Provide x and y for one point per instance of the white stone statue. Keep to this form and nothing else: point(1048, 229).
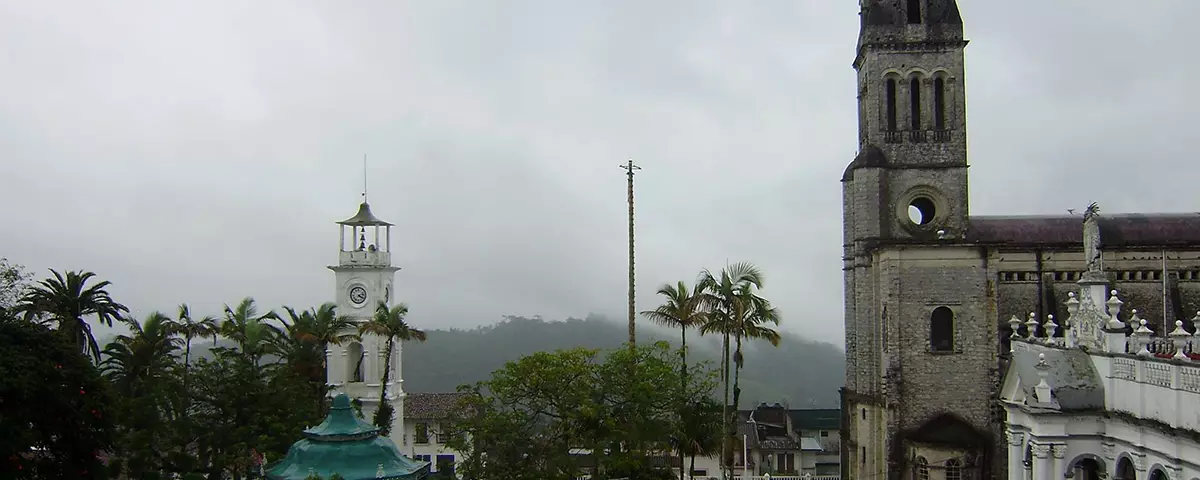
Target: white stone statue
point(1091, 239)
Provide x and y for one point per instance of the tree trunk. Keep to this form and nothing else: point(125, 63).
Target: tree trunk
point(387, 369)
point(737, 390)
point(725, 405)
point(683, 396)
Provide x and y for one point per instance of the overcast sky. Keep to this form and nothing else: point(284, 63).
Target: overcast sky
point(201, 152)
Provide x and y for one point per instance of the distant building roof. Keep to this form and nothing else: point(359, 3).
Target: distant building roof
point(816, 419)
point(431, 406)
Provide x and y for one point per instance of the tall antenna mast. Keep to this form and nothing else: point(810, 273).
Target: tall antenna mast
point(364, 178)
point(1167, 320)
point(629, 168)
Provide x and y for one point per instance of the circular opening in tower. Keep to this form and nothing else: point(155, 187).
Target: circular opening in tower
point(921, 211)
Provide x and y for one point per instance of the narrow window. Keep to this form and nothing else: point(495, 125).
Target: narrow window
point(890, 101)
point(922, 468)
point(422, 434)
point(914, 91)
point(939, 104)
point(953, 469)
point(914, 11)
point(941, 330)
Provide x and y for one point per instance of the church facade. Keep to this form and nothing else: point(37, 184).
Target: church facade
point(928, 286)
point(1096, 394)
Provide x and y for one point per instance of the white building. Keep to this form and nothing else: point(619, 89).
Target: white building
point(1097, 395)
point(364, 276)
point(427, 429)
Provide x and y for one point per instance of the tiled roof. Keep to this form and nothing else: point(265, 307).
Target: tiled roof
point(1116, 230)
point(431, 406)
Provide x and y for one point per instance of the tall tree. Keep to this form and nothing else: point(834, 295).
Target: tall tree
point(325, 327)
point(389, 323)
point(67, 301)
point(13, 282)
point(190, 327)
point(254, 335)
point(682, 308)
point(55, 419)
point(728, 297)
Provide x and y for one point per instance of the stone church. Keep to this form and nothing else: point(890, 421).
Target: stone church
point(929, 288)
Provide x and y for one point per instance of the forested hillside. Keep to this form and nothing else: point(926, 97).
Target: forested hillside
point(800, 372)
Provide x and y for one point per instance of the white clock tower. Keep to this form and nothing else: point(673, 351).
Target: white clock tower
point(364, 276)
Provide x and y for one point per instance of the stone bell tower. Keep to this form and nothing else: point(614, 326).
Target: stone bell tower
point(363, 278)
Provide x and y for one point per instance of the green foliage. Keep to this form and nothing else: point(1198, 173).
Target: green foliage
point(531, 413)
point(55, 416)
point(67, 301)
point(13, 282)
point(384, 416)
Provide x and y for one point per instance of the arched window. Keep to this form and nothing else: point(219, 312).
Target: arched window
point(914, 92)
point(890, 103)
point(941, 330)
point(954, 469)
point(354, 362)
point(914, 11)
point(939, 104)
point(922, 468)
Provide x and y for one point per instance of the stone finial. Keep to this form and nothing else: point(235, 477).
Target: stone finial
point(1051, 329)
point(1072, 304)
point(1014, 324)
point(1134, 319)
point(1179, 340)
point(1143, 335)
point(1042, 389)
point(1114, 305)
point(1031, 326)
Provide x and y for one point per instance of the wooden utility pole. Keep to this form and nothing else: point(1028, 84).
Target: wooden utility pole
point(629, 168)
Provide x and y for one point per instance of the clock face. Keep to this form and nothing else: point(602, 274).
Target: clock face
point(358, 295)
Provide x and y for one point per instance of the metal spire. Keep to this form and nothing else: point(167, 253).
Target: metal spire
point(364, 194)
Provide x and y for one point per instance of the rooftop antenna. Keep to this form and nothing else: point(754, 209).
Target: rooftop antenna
point(364, 193)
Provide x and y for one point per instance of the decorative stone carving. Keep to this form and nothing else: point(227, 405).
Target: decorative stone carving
point(1040, 451)
point(1109, 450)
point(1059, 450)
point(1015, 438)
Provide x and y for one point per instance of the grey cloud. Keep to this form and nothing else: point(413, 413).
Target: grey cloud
point(200, 152)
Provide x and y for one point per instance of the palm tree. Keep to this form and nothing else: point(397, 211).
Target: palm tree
point(66, 301)
point(324, 327)
point(682, 310)
point(255, 337)
point(136, 360)
point(726, 298)
point(191, 328)
point(389, 323)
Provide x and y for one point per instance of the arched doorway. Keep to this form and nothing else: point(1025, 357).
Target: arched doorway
point(354, 362)
point(1087, 469)
point(1125, 470)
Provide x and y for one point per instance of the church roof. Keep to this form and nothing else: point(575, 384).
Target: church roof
point(346, 445)
point(1072, 378)
point(1116, 230)
point(870, 156)
point(364, 218)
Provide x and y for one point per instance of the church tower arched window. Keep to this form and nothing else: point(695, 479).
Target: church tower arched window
point(914, 92)
point(939, 103)
point(889, 93)
point(914, 11)
point(922, 468)
point(941, 330)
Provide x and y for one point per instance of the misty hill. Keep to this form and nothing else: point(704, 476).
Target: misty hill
point(801, 373)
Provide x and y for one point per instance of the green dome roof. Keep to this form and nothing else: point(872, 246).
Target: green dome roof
point(346, 445)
